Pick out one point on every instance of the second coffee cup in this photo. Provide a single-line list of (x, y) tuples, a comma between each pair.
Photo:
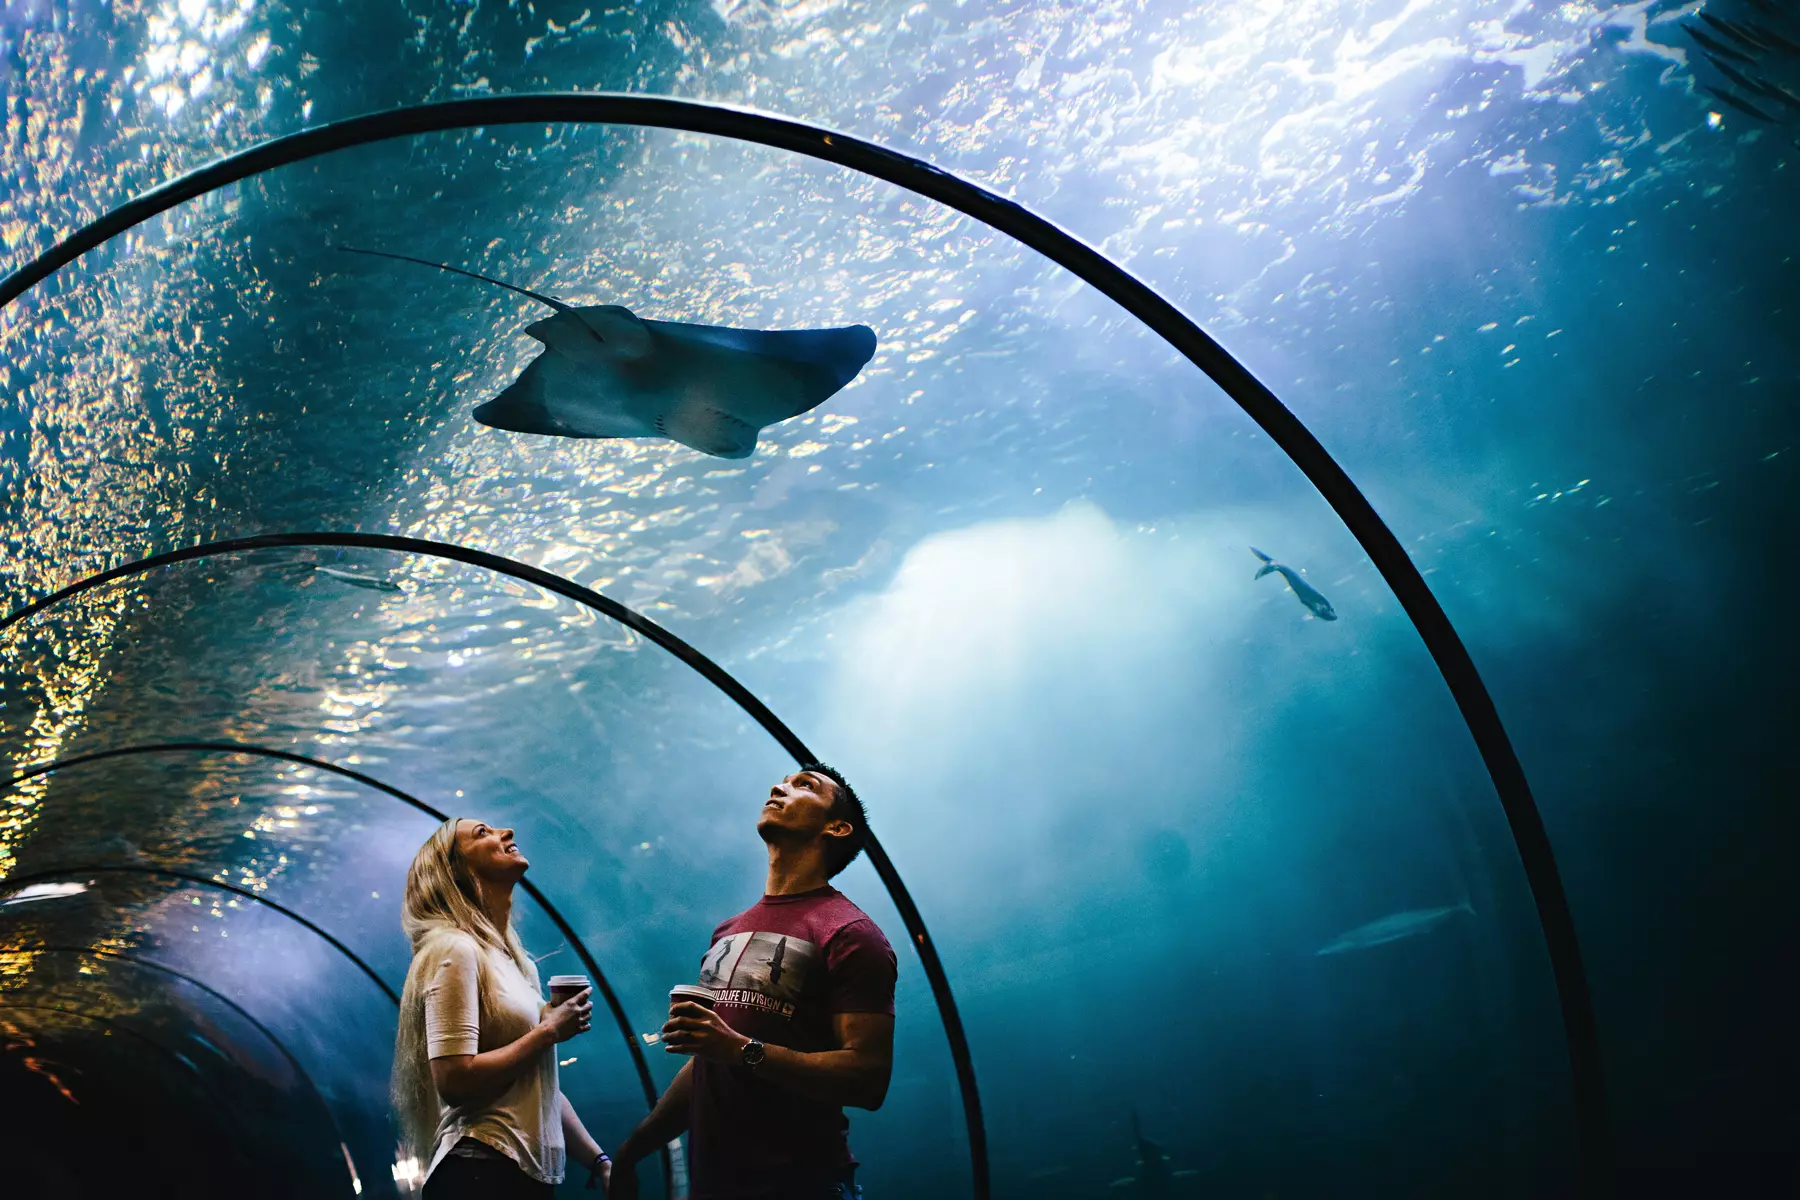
[(691, 993)]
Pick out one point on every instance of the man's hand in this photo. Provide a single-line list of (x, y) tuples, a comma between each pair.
[(621, 1182), (699, 1031)]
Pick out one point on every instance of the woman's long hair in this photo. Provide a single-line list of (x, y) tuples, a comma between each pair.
[(442, 901)]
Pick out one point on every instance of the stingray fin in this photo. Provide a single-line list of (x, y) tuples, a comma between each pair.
[(833, 356), (526, 406), (708, 429)]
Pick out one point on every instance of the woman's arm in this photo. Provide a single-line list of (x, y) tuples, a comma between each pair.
[(583, 1150), (472, 1080)]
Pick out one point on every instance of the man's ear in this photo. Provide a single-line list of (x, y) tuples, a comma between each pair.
[(838, 828)]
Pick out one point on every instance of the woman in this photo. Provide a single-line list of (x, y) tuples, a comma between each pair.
[(474, 1064)]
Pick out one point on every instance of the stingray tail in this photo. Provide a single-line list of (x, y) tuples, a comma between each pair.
[(558, 305)]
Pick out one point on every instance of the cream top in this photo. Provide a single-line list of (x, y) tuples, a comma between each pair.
[(477, 999)]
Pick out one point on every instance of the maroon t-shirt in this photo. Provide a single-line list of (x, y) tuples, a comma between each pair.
[(781, 969)]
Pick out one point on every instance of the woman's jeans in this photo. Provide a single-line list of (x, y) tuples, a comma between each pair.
[(495, 1178)]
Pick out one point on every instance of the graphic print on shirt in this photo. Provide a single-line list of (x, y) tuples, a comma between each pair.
[(766, 971)]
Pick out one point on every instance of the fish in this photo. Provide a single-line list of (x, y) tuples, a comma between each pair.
[(1303, 591), (1742, 80), (1717, 47), (605, 372), (1733, 30), (1774, 40), (1392, 928), (1776, 92), (1154, 1176), (1741, 105), (373, 583)]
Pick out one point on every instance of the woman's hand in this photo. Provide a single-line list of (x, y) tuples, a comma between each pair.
[(622, 1184), (568, 1018)]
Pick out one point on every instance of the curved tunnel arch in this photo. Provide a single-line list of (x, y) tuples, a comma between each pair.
[(1593, 1133), (568, 931), (700, 663), (268, 1034), (222, 885), (136, 1035), (370, 781)]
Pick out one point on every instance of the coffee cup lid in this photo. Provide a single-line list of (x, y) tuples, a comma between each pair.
[(690, 989), (566, 980)]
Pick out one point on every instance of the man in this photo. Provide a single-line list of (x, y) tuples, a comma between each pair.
[(802, 1022)]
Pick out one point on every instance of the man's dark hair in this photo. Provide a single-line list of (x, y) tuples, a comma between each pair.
[(841, 852)]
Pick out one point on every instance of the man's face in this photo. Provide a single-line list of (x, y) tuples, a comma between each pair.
[(798, 809)]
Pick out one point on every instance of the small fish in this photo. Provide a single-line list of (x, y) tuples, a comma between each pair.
[(1741, 105), (1303, 591), (373, 583), (1775, 40), (1782, 95), (1154, 1176), (1742, 80), (1717, 47), (1393, 927), (1732, 30)]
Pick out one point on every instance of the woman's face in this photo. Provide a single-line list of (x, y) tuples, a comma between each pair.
[(491, 853)]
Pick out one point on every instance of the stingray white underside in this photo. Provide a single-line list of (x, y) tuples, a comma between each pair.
[(605, 373)]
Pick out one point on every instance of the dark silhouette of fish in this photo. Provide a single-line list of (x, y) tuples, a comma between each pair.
[(1741, 79), (1733, 30), (1717, 47), (1392, 928), (1154, 1176), (1303, 591), (607, 373), (1742, 105), (1774, 40), (372, 583), (1782, 96)]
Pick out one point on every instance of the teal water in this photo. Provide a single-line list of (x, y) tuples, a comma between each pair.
[(1531, 288)]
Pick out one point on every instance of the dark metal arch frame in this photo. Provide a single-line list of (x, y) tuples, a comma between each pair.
[(650, 630), (1593, 1132), (221, 885), (268, 1034), (646, 1082), (288, 756), (136, 1035)]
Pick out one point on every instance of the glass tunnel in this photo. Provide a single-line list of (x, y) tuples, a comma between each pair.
[(1196, 888)]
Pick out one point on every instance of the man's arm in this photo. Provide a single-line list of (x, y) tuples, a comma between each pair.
[(856, 1074), (666, 1122)]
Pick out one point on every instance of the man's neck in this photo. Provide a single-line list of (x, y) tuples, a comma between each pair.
[(794, 870)]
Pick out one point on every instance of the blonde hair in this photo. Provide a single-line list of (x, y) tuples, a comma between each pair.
[(443, 900)]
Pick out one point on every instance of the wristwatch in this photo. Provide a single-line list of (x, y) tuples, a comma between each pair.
[(753, 1053)]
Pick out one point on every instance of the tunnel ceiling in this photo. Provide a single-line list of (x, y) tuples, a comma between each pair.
[(965, 580)]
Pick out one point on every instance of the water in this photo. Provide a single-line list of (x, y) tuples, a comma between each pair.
[(1500, 258)]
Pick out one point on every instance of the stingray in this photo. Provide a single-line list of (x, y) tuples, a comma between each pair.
[(605, 372)]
